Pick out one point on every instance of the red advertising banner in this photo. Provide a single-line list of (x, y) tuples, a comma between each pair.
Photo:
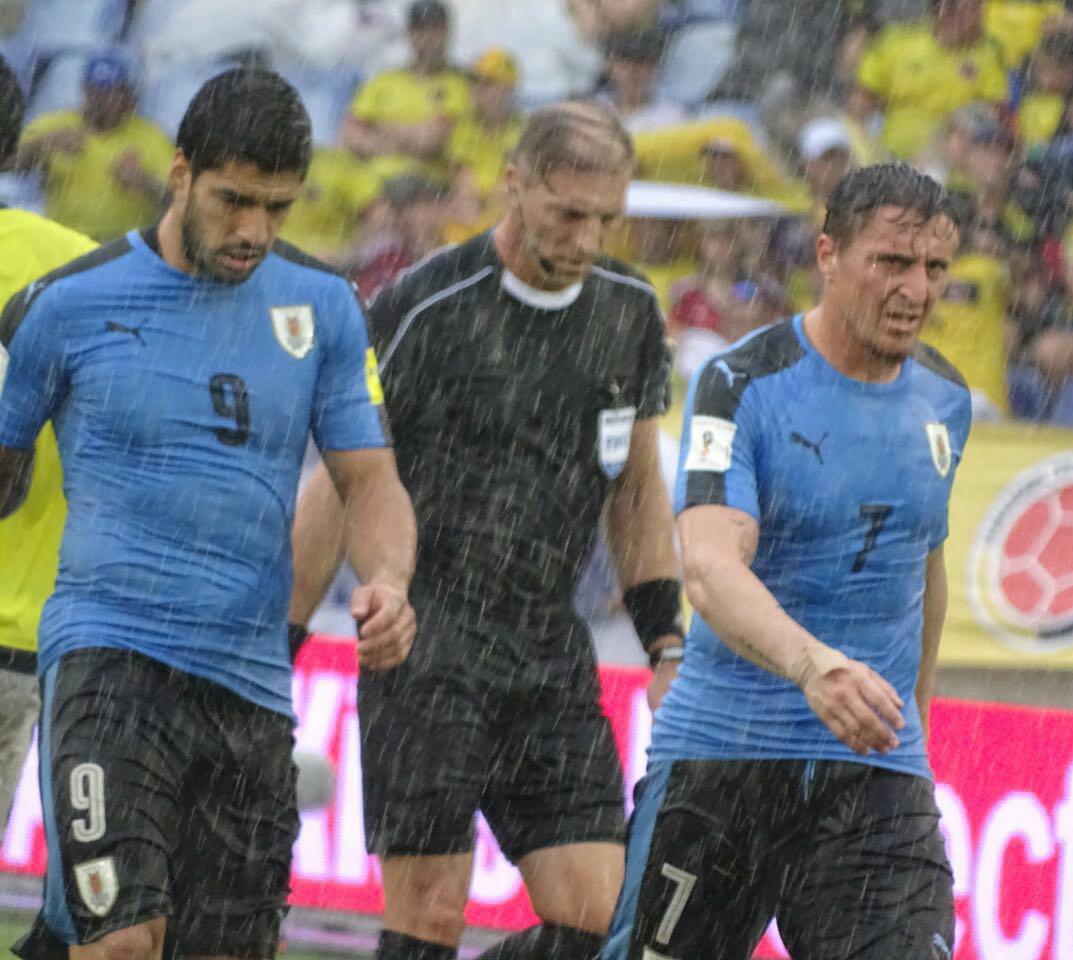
[(1004, 785)]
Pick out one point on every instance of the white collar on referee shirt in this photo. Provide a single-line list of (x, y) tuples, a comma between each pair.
[(540, 299)]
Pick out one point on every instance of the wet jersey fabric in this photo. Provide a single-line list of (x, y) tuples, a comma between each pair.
[(513, 409), (849, 482), (31, 246), (182, 409)]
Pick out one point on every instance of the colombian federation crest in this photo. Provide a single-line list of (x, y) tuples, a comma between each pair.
[(98, 884), (1020, 569), (293, 327), (939, 441)]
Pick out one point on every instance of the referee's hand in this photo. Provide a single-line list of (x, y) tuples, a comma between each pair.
[(386, 625), (856, 703)]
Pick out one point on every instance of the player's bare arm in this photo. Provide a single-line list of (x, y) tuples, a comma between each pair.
[(16, 468), (380, 536), (856, 703), (935, 598), (317, 544), (640, 530)]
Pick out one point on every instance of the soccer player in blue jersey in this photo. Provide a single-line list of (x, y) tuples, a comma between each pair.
[(788, 774), (184, 369)]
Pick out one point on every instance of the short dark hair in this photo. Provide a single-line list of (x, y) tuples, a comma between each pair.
[(250, 116), (584, 136), (863, 191), (12, 111)]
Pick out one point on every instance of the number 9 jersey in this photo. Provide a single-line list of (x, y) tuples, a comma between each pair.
[(849, 483), (182, 409)]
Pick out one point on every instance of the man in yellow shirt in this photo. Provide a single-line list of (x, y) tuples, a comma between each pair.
[(401, 120), (920, 73), (1050, 81), (482, 141), (104, 166), (1018, 25), (337, 192), (30, 246)]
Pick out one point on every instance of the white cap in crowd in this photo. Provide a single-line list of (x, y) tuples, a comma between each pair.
[(820, 135)]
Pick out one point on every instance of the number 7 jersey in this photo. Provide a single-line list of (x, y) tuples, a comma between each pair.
[(182, 409), (849, 483)]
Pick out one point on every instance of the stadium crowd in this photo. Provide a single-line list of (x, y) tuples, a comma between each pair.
[(417, 105)]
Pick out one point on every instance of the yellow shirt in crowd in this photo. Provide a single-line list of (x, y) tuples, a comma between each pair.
[(1038, 117), (921, 82), (31, 246), (967, 325), (402, 96), (81, 190), (336, 193), (482, 151), (1017, 26)]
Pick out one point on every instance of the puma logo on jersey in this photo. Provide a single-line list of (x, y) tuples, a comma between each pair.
[(731, 375), (804, 441), (112, 327)]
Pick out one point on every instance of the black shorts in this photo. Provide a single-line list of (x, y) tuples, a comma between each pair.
[(164, 795), (482, 718), (847, 857)]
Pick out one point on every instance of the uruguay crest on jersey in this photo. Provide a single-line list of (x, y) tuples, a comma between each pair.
[(293, 327), (98, 884), (939, 441)]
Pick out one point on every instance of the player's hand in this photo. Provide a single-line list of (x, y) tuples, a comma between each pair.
[(660, 683), (386, 625), (857, 705)]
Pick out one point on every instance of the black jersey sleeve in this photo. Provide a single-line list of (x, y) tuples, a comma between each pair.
[(654, 376)]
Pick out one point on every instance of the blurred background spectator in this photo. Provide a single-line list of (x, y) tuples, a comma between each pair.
[(412, 217), (631, 67), (919, 73), (481, 141), (104, 167), (401, 120)]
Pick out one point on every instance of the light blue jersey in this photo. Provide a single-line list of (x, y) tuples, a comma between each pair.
[(849, 483), (182, 408)]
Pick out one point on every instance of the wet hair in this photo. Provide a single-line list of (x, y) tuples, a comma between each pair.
[(579, 136), (861, 192), (12, 111), (247, 115)]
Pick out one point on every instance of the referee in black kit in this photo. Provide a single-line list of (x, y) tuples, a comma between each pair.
[(524, 373)]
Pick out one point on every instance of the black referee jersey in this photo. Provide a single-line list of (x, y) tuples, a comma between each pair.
[(512, 411)]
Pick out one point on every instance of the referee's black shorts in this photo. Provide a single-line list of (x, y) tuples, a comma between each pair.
[(164, 795), (486, 718), (847, 857)]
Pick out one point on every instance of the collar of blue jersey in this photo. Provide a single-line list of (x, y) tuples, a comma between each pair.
[(151, 236)]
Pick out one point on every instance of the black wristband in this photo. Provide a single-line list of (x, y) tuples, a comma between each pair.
[(656, 609), (296, 636)]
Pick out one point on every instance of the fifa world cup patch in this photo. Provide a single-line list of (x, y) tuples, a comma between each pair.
[(711, 444), (294, 328), (98, 884), (372, 378), (3, 367)]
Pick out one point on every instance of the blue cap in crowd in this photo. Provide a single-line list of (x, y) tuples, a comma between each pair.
[(107, 70)]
